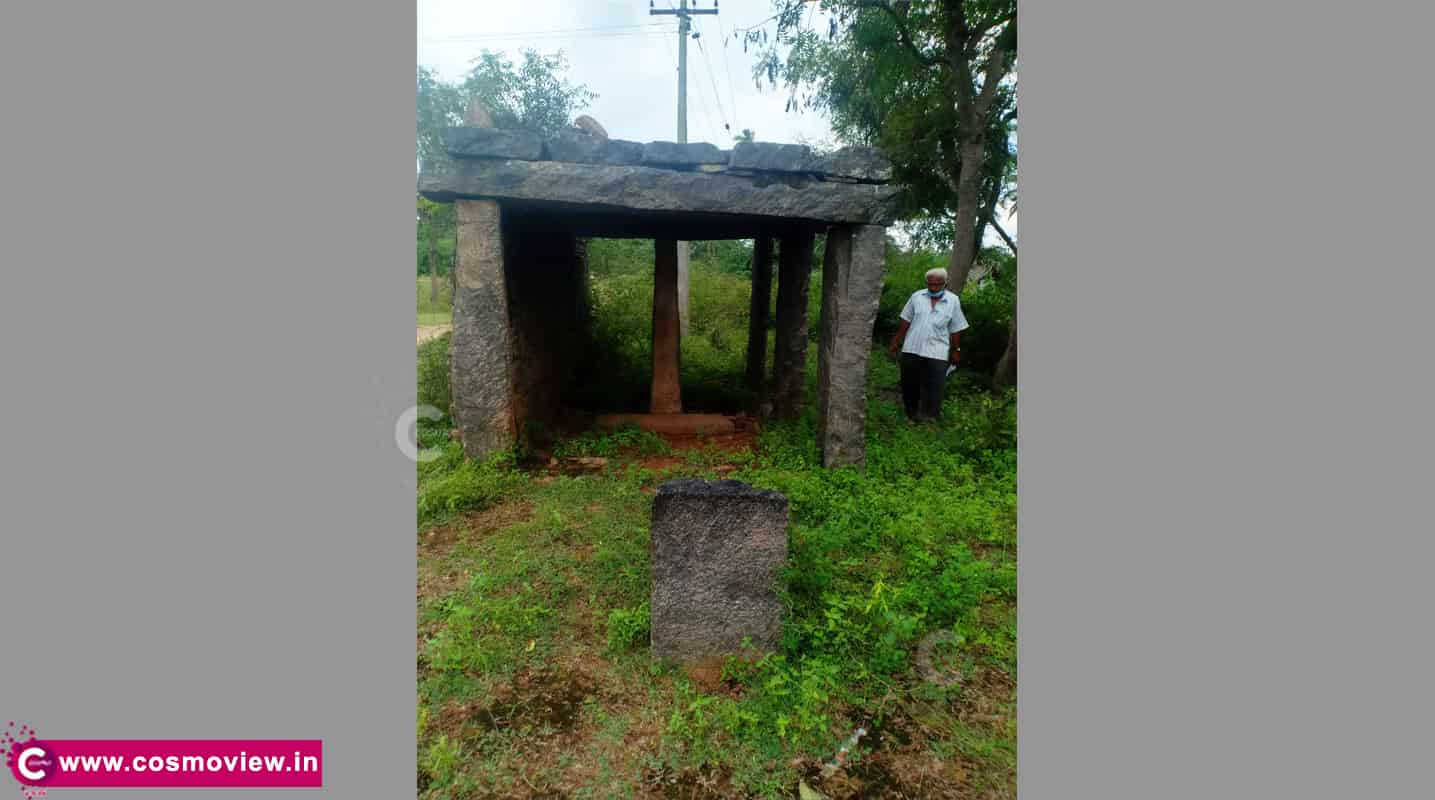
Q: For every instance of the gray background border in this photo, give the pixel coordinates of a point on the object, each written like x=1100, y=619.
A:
x=1224, y=458
x=207, y=319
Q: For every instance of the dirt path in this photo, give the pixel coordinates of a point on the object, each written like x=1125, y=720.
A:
x=427, y=332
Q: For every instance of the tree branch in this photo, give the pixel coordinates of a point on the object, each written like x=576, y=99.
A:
x=995, y=70
x=902, y=32
x=992, y=220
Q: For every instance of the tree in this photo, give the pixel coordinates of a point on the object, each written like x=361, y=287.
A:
x=926, y=81
x=746, y=136
x=535, y=95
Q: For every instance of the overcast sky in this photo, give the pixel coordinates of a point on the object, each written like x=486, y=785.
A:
x=629, y=58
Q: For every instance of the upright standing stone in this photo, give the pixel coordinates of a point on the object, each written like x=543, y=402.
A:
x=547, y=301
x=851, y=288
x=666, y=396
x=718, y=549
x=789, y=358
x=757, y=313
x=479, y=350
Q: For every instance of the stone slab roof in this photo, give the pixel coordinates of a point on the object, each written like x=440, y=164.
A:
x=577, y=173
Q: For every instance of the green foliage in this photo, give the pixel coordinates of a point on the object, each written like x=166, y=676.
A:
x=628, y=627
x=713, y=353
x=920, y=541
x=535, y=96
x=628, y=439
x=452, y=483
x=439, y=105
x=987, y=304
x=906, y=78
x=433, y=373
x=435, y=312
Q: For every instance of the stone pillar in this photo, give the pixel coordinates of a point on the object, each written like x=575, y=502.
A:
x=547, y=301
x=717, y=552
x=479, y=359
x=666, y=397
x=851, y=288
x=757, y=313
x=789, y=359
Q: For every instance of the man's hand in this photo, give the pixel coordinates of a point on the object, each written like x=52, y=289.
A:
x=955, y=358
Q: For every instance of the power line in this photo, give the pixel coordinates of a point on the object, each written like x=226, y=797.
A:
x=728, y=71
x=547, y=38
x=713, y=81
x=511, y=34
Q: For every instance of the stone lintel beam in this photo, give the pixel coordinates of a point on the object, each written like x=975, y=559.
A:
x=851, y=288
x=479, y=358
x=650, y=189
x=789, y=360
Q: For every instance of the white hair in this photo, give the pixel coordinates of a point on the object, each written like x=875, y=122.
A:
x=937, y=272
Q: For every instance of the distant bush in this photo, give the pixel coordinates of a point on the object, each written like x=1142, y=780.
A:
x=433, y=374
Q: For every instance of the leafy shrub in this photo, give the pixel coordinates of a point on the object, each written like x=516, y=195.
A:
x=453, y=483
x=628, y=628
x=433, y=389
x=608, y=445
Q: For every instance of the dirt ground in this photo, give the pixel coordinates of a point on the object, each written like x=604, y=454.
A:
x=427, y=332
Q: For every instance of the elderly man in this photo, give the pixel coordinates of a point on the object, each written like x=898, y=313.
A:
x=930, y=339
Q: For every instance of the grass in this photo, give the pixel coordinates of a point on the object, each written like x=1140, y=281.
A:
x=438, y=312
x=535, y=678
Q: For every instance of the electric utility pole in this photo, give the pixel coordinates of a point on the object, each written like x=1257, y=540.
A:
x=683, y=13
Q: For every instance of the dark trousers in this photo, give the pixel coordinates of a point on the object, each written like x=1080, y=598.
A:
x=923, y=380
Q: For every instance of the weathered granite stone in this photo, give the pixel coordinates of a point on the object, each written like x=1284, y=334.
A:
x=760, y=298
x=859, y=163
x=717, y=549
x=591, y=125
x=479, y=350
x=789, y=352
x=851, y=287
x=645, y=188
x=771, y=157
x=622, y=151
x=576, y=147
x=672, y=154
x=547, y=281
x=492, y=143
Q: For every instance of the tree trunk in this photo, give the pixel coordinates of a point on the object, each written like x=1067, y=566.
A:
x=433, y=263
x=1005, y=373
x=968, y=211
